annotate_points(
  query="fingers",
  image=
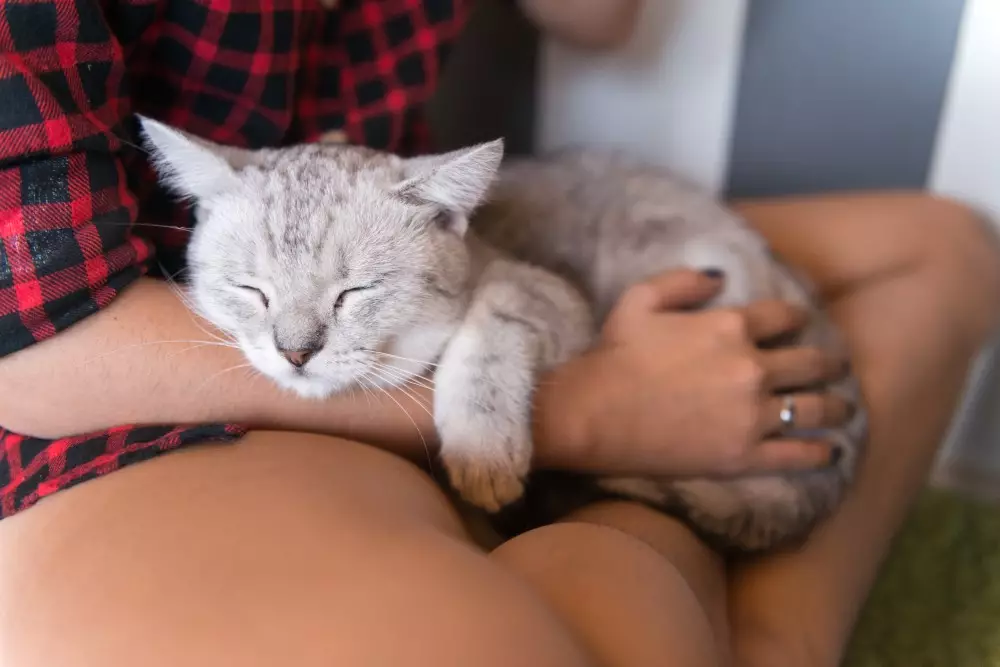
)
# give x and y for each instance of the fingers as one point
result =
(797, 367)
(773, 455)
(810, 411)
(771, 319)
(672, 290)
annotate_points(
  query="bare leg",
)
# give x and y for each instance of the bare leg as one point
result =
(914, 283)
(637, 587)
(304, 550)
(282, 550)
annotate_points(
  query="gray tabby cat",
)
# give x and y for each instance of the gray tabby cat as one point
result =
(335, 267)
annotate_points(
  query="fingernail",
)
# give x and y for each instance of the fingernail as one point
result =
(714, 274)
(852, 409)
(846, 367)
(835, 455)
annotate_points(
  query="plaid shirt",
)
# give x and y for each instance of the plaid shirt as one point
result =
(242, 72)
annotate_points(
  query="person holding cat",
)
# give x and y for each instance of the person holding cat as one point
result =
(297, 544)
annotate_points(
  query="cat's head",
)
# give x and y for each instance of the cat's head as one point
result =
(327, 264)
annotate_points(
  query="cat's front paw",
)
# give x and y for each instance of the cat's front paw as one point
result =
(489, 484)
(486, 469)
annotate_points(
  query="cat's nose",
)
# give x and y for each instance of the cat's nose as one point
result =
(297, 358)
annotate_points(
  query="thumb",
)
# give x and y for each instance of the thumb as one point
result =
(672, 290)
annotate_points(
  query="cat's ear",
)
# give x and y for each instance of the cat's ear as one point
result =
(190, 166)
(457, 182)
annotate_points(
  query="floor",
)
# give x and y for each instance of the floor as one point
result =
(970, 482)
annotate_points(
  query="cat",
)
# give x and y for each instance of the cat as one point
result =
(338, 266)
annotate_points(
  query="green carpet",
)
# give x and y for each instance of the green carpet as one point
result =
(937, 602)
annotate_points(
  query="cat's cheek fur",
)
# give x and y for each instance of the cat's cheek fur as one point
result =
(417, 351)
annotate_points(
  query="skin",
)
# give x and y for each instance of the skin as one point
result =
(156, 363)
(915, 284)
(305, 549)
(660, 375)
(595, 24)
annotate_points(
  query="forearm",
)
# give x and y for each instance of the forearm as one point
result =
(146, 359)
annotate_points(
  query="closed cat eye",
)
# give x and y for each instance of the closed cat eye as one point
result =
(340, 297)
(260, 294)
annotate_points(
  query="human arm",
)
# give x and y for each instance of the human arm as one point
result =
(600, 24)
(915, 284)
(146, 359)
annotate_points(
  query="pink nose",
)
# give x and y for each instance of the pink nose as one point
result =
(297, 358)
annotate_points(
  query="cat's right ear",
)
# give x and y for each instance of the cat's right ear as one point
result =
(192, 167)
(455, 182)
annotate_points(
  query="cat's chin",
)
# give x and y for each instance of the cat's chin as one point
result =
(309, 388)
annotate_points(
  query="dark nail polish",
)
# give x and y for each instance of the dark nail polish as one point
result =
(846, 367)
(714, 274)
(852, 410)
(835, 455)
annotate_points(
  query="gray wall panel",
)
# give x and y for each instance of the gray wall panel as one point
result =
(840, 94)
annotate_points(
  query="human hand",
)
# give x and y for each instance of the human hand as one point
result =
(674, 392)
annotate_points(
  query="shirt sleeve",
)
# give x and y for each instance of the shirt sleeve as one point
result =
(66, 247)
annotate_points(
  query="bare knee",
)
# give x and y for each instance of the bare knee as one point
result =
(625, 601)
(962, 261)
(283, 549)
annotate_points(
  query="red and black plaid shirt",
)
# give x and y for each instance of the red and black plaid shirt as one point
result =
(242, 72)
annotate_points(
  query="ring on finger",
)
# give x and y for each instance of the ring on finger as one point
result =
(800, 412)
(787, 413)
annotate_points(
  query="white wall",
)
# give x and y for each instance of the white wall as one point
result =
(967, 157)
(668, 96)
(967, 166)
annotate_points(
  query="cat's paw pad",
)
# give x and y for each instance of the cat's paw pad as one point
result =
(488, 482)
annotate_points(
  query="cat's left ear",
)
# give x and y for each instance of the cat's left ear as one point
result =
(456, 182)
(192, 167)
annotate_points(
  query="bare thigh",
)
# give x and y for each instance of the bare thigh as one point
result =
(636, 586)
(281, 550)
(305, 550)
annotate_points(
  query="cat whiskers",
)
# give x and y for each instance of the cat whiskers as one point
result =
(193, 343)
(399, 375)
(430, 382)
(403, 375)
(387, 373)
(202, 344)
(422, 362)
(129, 143)
(152, 225)
(364, 390)
(366, 378)
(224, 371)
(401, 379)
(196, 316)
